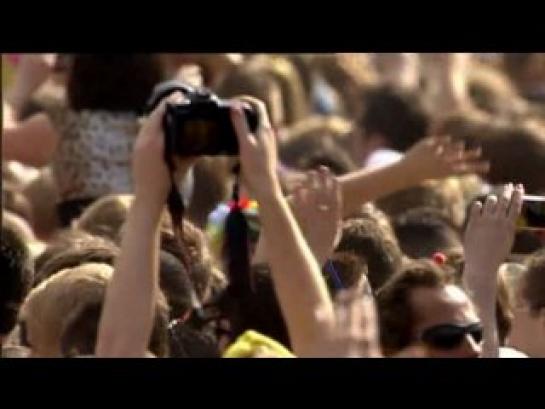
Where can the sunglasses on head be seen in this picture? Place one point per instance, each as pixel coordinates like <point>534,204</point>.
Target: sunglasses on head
<point>450,336</point>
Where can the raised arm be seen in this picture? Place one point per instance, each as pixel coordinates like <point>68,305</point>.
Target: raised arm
<point>431,158</point>
<point>297,278</point>
<point>34,140</point>
<point>488,240</point>
<point>128,313</point>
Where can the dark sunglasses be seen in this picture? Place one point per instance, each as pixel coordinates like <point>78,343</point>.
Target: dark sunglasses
<point>450,336</point>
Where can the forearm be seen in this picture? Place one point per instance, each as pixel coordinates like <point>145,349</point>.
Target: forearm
<point>367,185</point>
<point>128,313</point>
<point>483,295</point>
<point>299,284</point>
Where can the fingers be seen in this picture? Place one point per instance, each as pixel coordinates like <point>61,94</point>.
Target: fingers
<point>479,167</point>
<point>238,118</point>
<point>515,206</point>
<point>313,180</point>
<point>328,194</point>
<point>300,197</point>
<point>155,118</point>
<point>476,210</point>
<point>454,151</point>
<point>326,179</point>
<point>505,199</point>
<point>490,203</point>
<point>260,108</point>
<point>460,160</point>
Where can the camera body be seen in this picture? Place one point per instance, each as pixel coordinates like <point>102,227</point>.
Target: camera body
<point>201,125</point>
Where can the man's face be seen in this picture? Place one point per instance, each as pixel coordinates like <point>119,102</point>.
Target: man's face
<point>434,307</point>
<point>528,331</point>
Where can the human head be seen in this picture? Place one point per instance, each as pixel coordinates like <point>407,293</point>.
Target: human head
<point>60,317</point>
<point>491,90</point>
<point>349,74</point>
<point>419,298</point>
<point>105,216</point>
<point>445,196</point>
<point>315,150</point>
<point>247,80</point>
<point>43,196</point>
<point>195,256</point>
<point>393,118</point>
<point>188,342</point>
<point>318,140</point>
<point>175,283</point>
<point>212,66</point>
<point>528,333</point>
<point>454,264</point>
<point>15,278</point>
<point>344,270</point>
<point>301,63</point>
<point>368,240</point>
<point>14,200</point>
<point>422,231</point>
<point>516,150</point>
<point>526,70</point>
<point>112,82</point>
<point>71,248</point>
<point>258,310</point>
<point>295,104</point>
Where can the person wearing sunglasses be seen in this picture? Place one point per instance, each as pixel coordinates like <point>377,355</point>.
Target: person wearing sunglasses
<point>421,308</point>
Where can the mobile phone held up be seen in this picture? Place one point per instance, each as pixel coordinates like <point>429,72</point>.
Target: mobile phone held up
<point>532,216</point>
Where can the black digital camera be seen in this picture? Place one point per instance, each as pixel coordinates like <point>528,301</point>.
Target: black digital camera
<point>201,125</point>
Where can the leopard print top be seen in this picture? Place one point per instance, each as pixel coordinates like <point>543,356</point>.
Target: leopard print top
<point>94,153</point>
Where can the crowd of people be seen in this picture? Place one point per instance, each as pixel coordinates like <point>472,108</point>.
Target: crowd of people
<point>375,210</point>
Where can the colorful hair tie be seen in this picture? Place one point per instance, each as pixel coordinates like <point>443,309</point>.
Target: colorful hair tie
<point>215,226</point>
<point>439,258</point>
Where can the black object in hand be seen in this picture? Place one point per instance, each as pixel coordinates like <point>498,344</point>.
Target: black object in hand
<point>201,125</point>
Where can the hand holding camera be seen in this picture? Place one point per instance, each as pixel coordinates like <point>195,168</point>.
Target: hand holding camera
<point>200,124</point>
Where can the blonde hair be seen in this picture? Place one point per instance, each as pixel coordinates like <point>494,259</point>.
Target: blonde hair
<point>349,74</point>
<point>49,306</point>
<point>492,91</point>
<point>333,125</point>
<point>105,216</point>
<point>54,304</point>
<point>282,70</point>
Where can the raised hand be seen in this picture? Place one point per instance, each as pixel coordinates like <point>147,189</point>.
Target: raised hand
<point>440,157</point>
<point>150,173</point>
<point>354,331</point>
<point>317,206</point>
<point>488,238</point>
<point>490,234</point>
<point>257,153</point>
